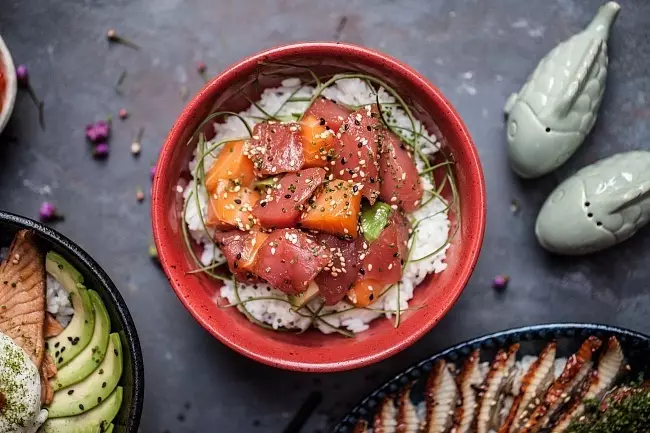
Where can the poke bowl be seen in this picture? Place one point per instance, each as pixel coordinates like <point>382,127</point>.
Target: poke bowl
<point>70,358</point>
<point>8,85</point>
<point>318,206</point>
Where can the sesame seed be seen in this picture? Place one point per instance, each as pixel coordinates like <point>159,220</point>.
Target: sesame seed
<point>394,207</point>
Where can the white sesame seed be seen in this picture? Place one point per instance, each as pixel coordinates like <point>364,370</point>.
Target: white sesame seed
<point>393,198</point>
<point>394,207</point>
<point>390,266</point>
<point>370,266</point>
<point>179,188</point>
<point>272,251</point>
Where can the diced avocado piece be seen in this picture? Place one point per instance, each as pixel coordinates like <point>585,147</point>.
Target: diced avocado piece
<point>299,301</point>
<point>93,354</point>
<point>75,337</point>
<point>95,420</point>
<point>85,395</point>
<point>374,219</point>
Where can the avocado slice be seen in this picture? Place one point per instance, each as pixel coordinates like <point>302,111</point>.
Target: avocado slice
<point>94,421</point>
<point>75,337</point>
<point>85,395</point>
<point>93,354</point>
<point>374,219</point>
<point>299,301</point>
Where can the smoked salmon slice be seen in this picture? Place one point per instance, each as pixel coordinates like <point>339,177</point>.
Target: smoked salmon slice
<point>22,296</point>
<point>48,371</point>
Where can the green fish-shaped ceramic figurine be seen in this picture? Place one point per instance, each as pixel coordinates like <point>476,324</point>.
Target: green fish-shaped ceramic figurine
<point>557,107</point>
<point>601,205</point>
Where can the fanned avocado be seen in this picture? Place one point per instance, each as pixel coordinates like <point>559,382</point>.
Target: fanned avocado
<point>374,219</point>
<point>95,420</point>
<point>85,395</point>
<point>76,336</point>
<point>93,354</point>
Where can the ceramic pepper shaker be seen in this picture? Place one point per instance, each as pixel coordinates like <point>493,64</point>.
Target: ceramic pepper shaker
<point>601,205</point>
<point>554,111</point>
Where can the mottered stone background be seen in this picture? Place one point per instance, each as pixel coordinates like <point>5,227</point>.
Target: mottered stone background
<point>476,52</point>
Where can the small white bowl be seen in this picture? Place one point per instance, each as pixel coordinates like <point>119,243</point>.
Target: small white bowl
<point>9,96</point>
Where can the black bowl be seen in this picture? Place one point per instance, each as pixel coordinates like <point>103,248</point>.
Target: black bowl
<point>569,336</point>
<point>132,380</point>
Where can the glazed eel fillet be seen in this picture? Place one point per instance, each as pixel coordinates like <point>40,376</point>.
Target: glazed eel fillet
<point>407,417</point>
<point>601,380</point>
<point>441,394</point>
<point>495,383</point>
<point>468,380</point>
<point>535,382</point>
<point>560,392</point>
<point>384,421</point>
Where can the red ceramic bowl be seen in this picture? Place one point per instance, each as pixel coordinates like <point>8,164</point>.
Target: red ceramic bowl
<point>313,351</point>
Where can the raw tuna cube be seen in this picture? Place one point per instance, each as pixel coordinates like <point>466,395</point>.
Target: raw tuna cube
<point>343,269</point>
<point>358,156</point>
<point>283,203</point>
<point>290,259</point>
<point>400,183</point>
<point>275,148</point>
<point>332,114</point>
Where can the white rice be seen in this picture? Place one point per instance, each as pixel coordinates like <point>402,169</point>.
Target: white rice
<point>430,235</point>
<point>58,301</point>
<point>57,298</point>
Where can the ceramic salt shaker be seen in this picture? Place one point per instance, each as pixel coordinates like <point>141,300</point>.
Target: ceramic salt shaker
<point>601,205</point>
<point>557,107</point>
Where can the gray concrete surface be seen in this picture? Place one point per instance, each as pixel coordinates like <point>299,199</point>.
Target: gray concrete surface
<point>477,52</point>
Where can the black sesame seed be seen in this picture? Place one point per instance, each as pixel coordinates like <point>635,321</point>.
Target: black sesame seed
<point>57,344</point>
<point>99,400</point>
<point>322,121</point>
<point>60,266</point>
<point>238,201</point>
<point>103,384</point>
<point>81,406</point>
<point>361,271</point>
<point>116,352</point>
<point>71,392</point>
<point>372,296</point>
<point>287,196</point>
<point>238,256</point>
<point>63,349</point>
<point>372,180</point>
<point>356,122</point>
<point>263,203</point>
<point>369,128</point>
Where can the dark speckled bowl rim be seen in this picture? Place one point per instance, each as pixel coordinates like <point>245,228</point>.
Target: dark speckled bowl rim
<point>490,341</point>
<point>56,238</point>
